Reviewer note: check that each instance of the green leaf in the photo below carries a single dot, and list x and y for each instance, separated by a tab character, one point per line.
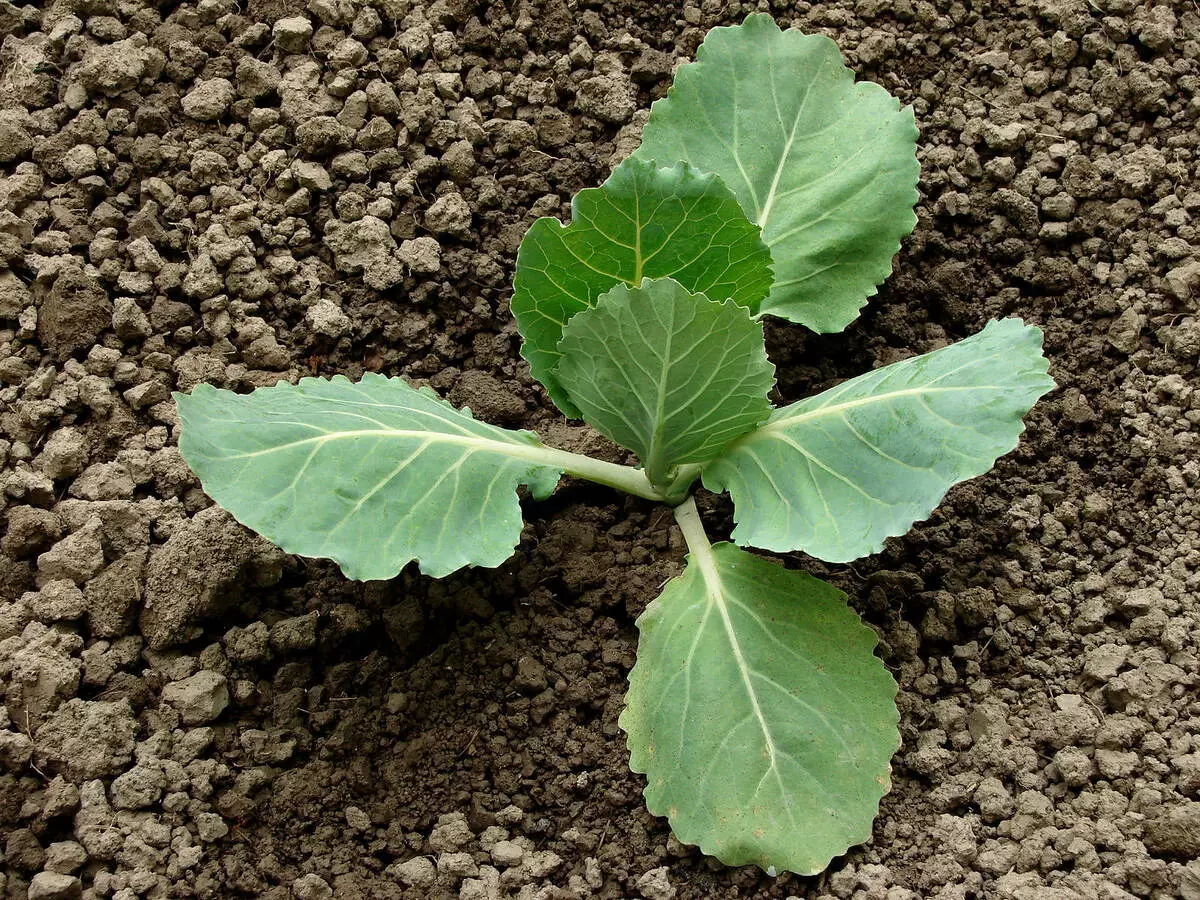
371	475
646	221
827	167
838	473
760	717
669	374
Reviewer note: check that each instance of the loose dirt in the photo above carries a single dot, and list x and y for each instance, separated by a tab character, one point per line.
242	193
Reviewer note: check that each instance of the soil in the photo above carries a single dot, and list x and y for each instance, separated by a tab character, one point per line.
241	193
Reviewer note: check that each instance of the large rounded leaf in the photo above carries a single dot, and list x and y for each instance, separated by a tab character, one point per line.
836	474
757	711
826	166
645	221
371	474
669	374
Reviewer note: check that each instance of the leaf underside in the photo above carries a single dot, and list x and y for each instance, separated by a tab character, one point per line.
826	166
759	715
645	221
672	375
371	474
836	474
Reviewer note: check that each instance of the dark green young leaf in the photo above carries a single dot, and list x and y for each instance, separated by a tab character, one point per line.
836	474
646	221
826	166
760	717
669	374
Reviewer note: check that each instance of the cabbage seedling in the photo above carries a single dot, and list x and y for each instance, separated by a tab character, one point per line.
767	182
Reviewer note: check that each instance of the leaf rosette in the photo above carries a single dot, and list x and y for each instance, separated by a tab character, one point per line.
757	710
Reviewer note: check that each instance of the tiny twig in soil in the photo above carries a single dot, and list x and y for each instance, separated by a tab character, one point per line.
29	734
982	99
470	743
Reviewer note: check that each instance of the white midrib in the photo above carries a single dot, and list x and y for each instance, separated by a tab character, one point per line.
702	555
624	478
473	442
839	408
715	589
660	421
637	239
765	214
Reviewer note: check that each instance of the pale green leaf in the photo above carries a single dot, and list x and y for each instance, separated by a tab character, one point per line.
760	717
645	221
673	376
826	166
838	473
371	474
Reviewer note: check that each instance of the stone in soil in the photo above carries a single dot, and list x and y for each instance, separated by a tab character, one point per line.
199	571
198	699
55	886
86	739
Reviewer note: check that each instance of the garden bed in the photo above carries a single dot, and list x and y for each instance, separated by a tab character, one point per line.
236	195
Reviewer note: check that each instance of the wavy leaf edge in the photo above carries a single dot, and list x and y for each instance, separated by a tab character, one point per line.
863	638
1033	335
861	89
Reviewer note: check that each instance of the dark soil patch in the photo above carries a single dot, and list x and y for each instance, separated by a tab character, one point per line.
227	194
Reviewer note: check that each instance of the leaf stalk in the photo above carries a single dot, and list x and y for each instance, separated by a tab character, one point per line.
623	478
688	519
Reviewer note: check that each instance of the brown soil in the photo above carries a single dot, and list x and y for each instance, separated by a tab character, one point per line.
188	713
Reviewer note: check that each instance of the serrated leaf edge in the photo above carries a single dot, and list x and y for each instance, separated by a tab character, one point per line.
883	271
350	567
865	640
738	535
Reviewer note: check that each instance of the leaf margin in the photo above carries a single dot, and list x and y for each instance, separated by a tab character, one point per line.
640	757
816	319
749	533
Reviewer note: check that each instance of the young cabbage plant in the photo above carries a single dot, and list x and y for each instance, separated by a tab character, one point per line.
767	182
